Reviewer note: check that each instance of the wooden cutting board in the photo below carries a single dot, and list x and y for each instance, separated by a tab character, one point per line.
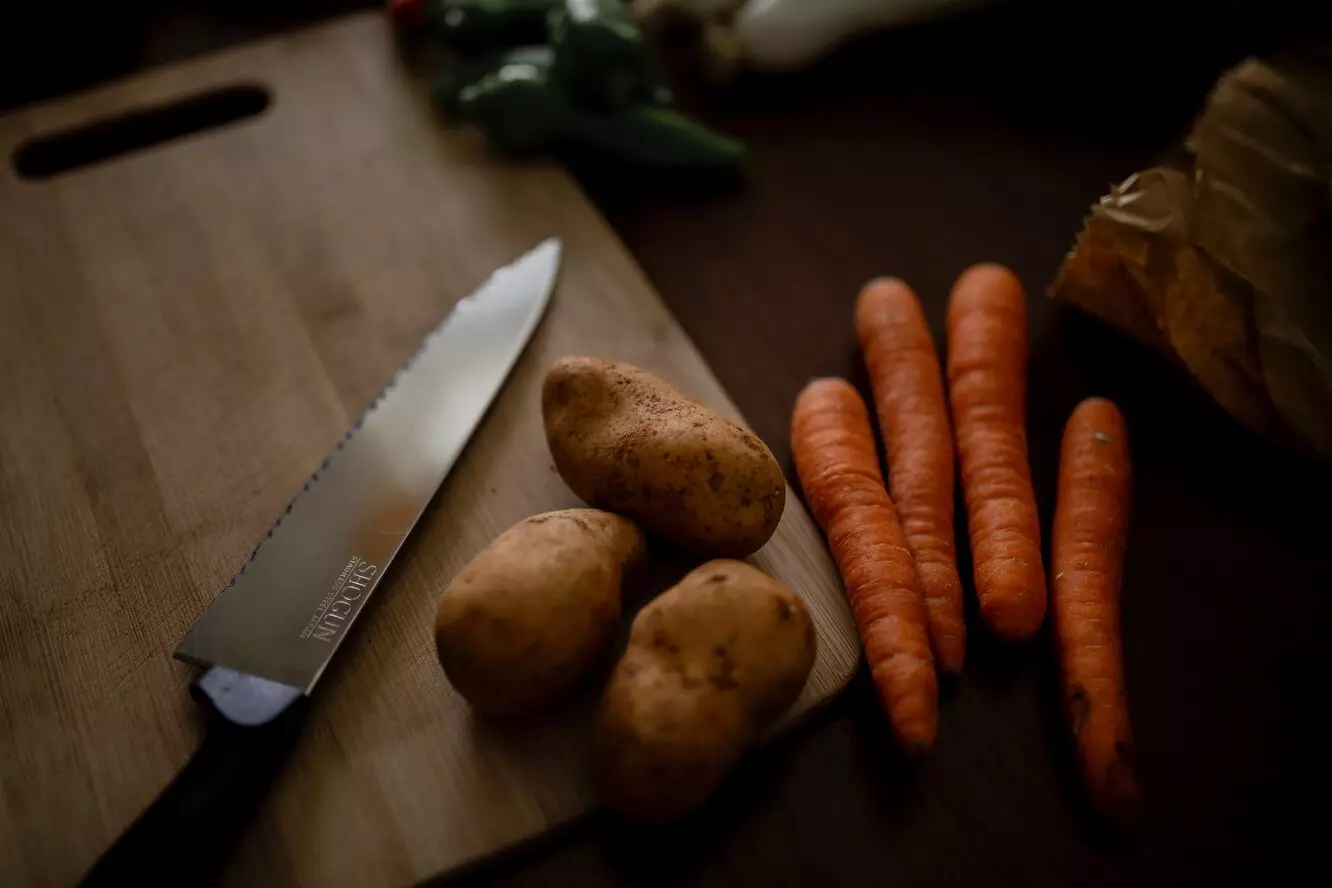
184	332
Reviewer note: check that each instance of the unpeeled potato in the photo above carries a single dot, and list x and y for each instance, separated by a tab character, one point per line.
631	443
710	664
534	610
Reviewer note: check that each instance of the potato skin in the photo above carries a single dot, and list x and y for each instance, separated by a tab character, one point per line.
710	664
534	610
631	443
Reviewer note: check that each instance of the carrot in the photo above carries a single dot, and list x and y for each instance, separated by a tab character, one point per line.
1087	557
909	397
839	470
987	357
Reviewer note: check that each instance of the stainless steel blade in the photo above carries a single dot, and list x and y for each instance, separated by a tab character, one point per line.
287	610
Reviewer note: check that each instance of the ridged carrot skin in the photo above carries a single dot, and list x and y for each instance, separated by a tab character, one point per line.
1087	561
838	466
913	416
987	380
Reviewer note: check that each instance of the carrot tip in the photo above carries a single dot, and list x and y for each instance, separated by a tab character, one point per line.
987	268
1124	808
951	664
1011	624
884	281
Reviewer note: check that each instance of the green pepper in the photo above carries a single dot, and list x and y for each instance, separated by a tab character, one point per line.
517	107
468	70
651	136
479	25
515	99
602	61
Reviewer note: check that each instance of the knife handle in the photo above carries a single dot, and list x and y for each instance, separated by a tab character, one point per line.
188	830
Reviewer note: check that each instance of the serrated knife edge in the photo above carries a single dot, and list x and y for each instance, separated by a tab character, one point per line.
534	272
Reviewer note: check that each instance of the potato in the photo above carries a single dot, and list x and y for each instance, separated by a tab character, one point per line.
709	665
535	609
630	443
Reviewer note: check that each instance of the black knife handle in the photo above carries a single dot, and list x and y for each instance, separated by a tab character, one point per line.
185	835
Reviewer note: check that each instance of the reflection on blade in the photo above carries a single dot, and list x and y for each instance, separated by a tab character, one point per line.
289	608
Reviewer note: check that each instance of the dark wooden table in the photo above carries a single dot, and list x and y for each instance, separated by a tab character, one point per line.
917	154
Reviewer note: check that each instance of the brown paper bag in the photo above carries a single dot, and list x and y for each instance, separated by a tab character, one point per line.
1225	263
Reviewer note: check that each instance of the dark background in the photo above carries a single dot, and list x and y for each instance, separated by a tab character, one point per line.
917	153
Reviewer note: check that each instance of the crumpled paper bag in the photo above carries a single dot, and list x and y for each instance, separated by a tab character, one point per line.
1225	263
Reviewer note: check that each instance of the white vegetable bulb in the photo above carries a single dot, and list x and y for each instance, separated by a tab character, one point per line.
794	33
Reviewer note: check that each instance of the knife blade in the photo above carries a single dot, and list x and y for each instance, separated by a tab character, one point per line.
270	634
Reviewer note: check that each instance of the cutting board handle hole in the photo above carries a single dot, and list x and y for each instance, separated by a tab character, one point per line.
45	156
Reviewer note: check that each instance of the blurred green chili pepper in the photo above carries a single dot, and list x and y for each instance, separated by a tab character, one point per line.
660	138
602	61
468	70
516	98
517	107
522	112
478	25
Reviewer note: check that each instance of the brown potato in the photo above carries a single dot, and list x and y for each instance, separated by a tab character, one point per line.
628	442
710	664
534	610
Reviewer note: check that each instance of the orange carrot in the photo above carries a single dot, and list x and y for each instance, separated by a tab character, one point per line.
909	398
839	470
1087	558
987	370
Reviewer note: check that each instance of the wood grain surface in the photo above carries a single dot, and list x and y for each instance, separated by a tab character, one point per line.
186	332
915	153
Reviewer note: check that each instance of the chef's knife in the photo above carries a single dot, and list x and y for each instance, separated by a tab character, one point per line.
269	635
